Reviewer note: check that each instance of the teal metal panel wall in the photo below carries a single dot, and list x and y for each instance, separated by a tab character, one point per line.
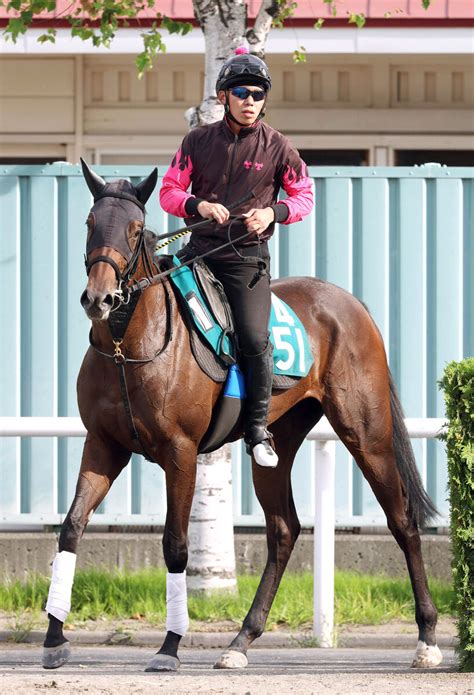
402	240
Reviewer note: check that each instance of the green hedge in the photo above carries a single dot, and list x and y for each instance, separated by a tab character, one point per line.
458	386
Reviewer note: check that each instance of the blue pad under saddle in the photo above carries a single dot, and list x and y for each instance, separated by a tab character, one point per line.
291	351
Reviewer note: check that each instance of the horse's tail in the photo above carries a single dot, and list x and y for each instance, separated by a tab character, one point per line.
420	507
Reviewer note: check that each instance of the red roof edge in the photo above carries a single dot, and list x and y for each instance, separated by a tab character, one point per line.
330	22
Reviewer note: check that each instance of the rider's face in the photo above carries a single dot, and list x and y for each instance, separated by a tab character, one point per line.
247	110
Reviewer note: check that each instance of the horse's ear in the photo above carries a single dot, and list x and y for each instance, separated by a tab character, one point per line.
146	187
95	183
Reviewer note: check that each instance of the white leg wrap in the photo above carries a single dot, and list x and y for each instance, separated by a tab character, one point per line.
177	619
59	597
426	656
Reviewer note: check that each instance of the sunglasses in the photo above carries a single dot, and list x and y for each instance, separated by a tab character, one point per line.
244	93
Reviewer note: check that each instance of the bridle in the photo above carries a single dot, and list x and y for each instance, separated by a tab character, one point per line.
122	293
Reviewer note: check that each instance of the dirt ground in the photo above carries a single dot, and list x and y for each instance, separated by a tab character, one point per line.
119	670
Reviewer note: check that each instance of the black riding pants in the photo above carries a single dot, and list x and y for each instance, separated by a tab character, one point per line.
251	307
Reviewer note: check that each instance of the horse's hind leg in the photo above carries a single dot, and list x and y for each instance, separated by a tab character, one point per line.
100	465
372	428
273	489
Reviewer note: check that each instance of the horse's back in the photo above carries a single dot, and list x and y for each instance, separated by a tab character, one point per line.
340	328
314	298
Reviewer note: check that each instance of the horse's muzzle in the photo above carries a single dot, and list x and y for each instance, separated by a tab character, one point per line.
97	305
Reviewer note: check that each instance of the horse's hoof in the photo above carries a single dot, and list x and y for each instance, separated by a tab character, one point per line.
163	662
54	657
231	659
426	656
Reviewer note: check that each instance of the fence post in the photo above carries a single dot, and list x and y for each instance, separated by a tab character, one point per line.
324	523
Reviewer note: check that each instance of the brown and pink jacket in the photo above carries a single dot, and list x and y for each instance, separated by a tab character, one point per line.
223	167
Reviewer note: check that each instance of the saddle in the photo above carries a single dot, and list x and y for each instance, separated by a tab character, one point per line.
214	293
214	343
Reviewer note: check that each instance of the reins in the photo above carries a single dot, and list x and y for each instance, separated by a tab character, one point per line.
141	285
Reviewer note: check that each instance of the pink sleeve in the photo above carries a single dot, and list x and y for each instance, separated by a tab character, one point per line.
298	188
173	192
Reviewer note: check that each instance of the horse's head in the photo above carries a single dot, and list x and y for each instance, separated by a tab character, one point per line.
114	234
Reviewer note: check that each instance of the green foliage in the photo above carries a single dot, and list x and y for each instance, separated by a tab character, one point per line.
286	9
358	19
299	55
358	598
332	7
458	386
97	21
154	44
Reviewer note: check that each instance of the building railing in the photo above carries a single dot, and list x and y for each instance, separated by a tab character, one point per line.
324	439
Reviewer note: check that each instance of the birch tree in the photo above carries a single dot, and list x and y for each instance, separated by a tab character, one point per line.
224	25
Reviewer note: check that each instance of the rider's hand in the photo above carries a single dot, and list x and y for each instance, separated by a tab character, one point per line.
258	220
214	211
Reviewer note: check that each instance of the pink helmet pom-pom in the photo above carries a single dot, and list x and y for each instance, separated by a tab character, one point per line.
241	50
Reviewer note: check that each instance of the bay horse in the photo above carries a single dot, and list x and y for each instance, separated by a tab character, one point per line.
169	400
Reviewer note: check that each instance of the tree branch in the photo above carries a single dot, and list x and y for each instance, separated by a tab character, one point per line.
257	35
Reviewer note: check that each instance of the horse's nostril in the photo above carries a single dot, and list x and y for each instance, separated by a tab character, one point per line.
108	299
85	300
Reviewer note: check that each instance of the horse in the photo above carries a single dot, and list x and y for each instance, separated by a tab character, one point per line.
162	405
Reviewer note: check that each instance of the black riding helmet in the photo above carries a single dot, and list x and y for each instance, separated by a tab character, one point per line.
244	68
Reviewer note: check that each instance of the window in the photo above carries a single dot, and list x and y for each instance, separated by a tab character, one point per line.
451	158
343	158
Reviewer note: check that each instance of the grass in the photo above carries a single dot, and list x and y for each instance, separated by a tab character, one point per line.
359	599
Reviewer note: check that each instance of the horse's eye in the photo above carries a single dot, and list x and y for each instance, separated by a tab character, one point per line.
90	224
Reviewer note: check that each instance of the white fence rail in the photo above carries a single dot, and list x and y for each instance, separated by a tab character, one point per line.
324	439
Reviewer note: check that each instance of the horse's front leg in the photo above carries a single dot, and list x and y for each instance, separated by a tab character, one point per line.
180	472
101	464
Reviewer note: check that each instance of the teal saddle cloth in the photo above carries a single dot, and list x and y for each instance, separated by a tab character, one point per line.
292	355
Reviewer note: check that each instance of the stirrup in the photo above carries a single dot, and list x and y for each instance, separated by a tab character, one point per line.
264	455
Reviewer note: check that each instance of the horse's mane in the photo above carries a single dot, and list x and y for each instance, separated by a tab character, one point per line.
160	261
150	241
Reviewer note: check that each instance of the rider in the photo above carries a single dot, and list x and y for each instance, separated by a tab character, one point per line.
238	157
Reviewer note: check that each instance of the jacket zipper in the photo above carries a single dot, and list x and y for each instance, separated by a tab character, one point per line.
229	170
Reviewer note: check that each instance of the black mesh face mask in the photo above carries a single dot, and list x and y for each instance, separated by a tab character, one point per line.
112	214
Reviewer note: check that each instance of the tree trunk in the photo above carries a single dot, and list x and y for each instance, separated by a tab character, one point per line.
211	563
223	23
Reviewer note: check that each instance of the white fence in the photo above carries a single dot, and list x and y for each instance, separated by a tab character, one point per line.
324	439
